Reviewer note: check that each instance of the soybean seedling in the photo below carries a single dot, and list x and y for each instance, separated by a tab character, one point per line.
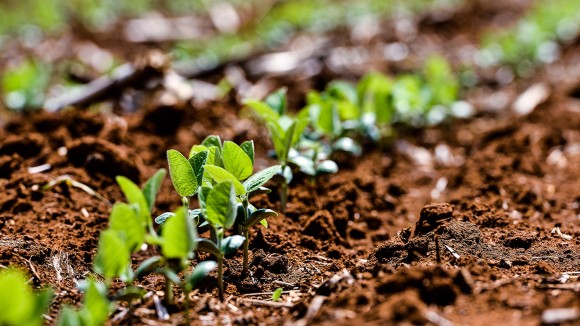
285	131
237	167
19	304
95	309
219	209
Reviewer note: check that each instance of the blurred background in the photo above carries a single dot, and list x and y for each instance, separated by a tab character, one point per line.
51	49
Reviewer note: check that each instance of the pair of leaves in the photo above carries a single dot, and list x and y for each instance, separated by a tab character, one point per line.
144	198
19	304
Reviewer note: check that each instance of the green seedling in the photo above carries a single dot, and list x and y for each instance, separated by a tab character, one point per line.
19	304
237	168
285	131
95	309
277	294
219	210
214	162
143	199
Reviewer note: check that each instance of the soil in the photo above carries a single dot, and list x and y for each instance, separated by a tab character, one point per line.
474	222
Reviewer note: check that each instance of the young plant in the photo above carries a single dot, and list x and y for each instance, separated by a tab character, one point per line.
237	165
219	210
143	199
95	309
285	131
19	304
214	162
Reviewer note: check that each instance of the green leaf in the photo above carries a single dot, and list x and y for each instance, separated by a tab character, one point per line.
327	166
263	110
196	149
278	135
236	161
124	220
69	317
135	196
248	148
348	145
182	175
212	140
277	101
130	293
96	306
257	180
208	246
221	205
264	223
171	275
151	187
148	266
113	257
199	273
197	162
163	217
258	216
277	294
178	236
16	298
232	243
220	175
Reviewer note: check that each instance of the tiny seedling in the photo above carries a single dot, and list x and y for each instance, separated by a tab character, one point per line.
19	304
95	309
214	162
237	168
219	210
277	294
285	132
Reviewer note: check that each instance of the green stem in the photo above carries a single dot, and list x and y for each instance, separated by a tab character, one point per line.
245	203
168	291
220	259
220	279
246	252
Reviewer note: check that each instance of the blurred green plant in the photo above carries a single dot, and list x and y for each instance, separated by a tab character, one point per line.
19	304
535	38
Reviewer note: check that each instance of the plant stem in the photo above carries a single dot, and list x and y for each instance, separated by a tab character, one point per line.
246	240
246	252
220	279
168	291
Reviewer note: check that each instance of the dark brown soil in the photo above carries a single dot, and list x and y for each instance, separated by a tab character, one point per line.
473	222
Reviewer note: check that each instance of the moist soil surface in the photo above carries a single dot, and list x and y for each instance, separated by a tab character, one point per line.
473	222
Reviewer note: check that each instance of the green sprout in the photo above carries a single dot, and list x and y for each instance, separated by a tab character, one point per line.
285	132
212	163
95	309
277	294
19	304
219	210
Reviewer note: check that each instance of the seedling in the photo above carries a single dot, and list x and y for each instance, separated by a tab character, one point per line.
19	304
238	165
212	163
219	210
95	309
143	199
277	294
285	132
